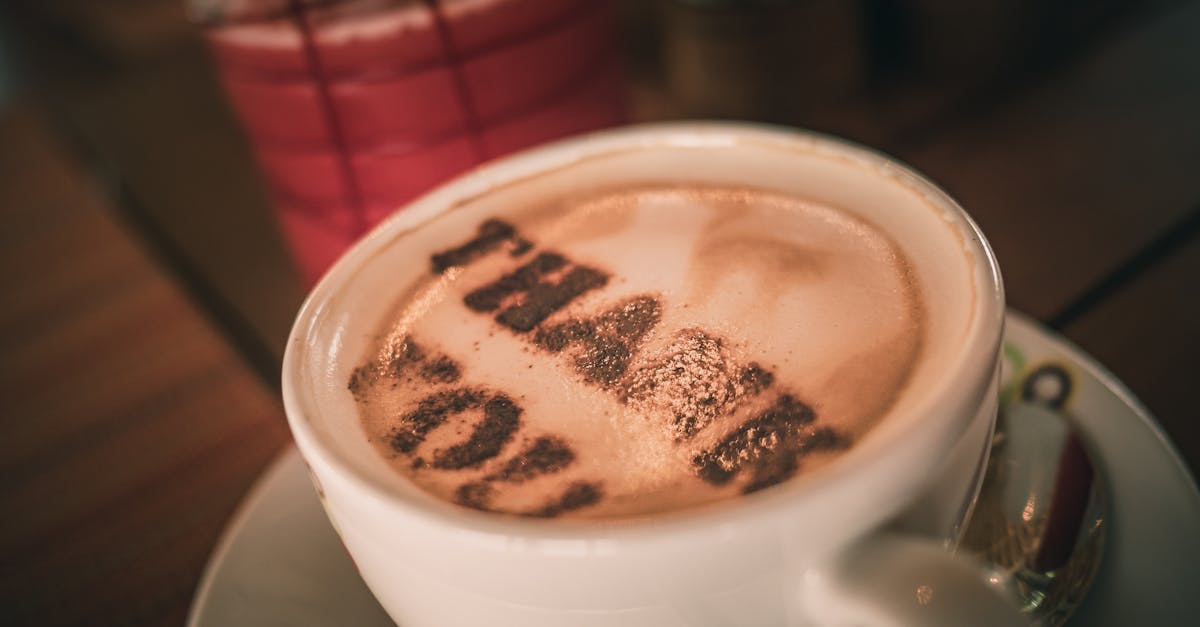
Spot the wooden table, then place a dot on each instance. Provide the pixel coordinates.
(146, 297)
(130, 426)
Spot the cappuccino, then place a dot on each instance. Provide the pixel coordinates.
(630, 350)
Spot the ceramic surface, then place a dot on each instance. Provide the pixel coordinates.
(280, 562)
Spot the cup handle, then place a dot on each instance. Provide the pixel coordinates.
(897, 580)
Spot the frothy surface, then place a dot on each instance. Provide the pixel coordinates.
(636, 351)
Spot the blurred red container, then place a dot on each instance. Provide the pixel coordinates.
(355, 107)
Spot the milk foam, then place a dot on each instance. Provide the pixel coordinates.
(739, 337)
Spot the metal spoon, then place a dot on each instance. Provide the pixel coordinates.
(1040, 520)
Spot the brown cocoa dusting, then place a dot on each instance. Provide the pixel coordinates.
(402, 356)
(771, 443)
(523, 279)
(398, 365)
(578, 495)
(441, 369)
(755, 378)
(432, 411)
(544, 299)
(520, 247)
(475, 495)
(633, 318)
(695, 382)
(362, 378)
(609, 340)
(491, 234)
(366, 376)
(604, 361)
(557, 337)
(501, 418)
(546, 455)
(775, 469)
(771, 429)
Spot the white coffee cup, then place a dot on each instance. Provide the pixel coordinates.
(861, 540)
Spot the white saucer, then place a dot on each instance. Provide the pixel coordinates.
(280, 562)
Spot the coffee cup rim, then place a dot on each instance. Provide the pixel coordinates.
(893, 469)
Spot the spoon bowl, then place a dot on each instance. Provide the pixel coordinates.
(1040, 521)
